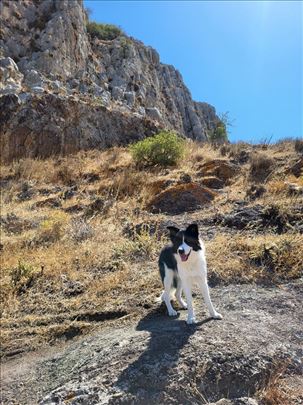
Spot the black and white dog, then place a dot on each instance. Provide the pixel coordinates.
(182, 265)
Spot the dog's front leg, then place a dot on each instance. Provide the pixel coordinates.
(191, 315)
(205, 292)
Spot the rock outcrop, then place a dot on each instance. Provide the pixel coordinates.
(48, 58)
(160, 360)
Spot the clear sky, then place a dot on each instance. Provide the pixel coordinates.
(244, 57)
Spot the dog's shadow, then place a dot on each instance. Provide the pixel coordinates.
(149, 374)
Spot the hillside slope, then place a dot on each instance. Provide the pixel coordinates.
(80, 238)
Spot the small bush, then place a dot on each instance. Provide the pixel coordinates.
(22, 276)
(163, 149)
(103, 31)
(51, 230)
(219, 135)
(261, 166)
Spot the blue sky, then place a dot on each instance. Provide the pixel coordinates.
(244, 57)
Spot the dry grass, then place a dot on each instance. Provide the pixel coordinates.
(265, 258)
(281, 389)
(261, 167)
(74, 263)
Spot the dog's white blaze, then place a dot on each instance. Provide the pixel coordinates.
(185, 247)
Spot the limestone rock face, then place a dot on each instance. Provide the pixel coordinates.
(46, 125)
(45, 50)
(10, 77)
(48, 36)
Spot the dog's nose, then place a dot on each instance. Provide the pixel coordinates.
(181, 251)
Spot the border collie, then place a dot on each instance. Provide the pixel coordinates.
(182, 265)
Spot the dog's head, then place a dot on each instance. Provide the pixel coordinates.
(185, 242)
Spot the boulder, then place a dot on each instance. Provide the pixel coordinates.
(153, 113)
(33, 78)
(10, 77)
(181, 198)
(212, 182)
(220, 168)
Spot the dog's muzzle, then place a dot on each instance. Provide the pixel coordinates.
(183, 255)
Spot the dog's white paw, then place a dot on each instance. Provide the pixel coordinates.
(183, 304)
(172, 313)
(191, 320)
(216, 315)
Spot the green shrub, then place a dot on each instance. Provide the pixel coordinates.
(103, 31)
(219, 135)
(163, 149)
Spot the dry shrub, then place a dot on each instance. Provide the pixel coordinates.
(22, 276)
(69, 169)
(261, 167)
(143, 245)
(277, 187)
(52, 229)
(202, 152)
(124, 184)
(276, 391)
(34, 169)
(299, 145)
(80, 230)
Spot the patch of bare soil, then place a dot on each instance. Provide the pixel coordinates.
(161, 360)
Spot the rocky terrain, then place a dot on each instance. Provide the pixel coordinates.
(159, 360)
(82, 223)
(64, 90)
(81, 320)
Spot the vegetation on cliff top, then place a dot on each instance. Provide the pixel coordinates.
(103, 31)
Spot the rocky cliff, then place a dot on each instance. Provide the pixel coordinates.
(63, 90)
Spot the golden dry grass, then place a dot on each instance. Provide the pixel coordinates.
(281, 389)
(102, 270)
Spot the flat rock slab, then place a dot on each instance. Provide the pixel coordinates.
(162, 360)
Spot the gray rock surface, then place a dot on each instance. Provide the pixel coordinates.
(161, 360)
(49, 124)
(47, 42)
(10, 77)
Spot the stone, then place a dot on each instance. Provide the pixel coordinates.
(181, 198)
(10, 77)
(117, 93)
(24, 97)
(37, 89)
(153, 113)
(56, 85)
(219, 168)
(212, 182)
(130, 97)
(33, 78)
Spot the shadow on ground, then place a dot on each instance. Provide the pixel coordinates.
(150, 373)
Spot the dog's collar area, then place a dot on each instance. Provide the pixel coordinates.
(184, 256)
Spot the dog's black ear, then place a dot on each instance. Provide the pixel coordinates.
(173, 231)
(193, 230)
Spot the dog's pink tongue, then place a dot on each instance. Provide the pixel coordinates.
(183, 257)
